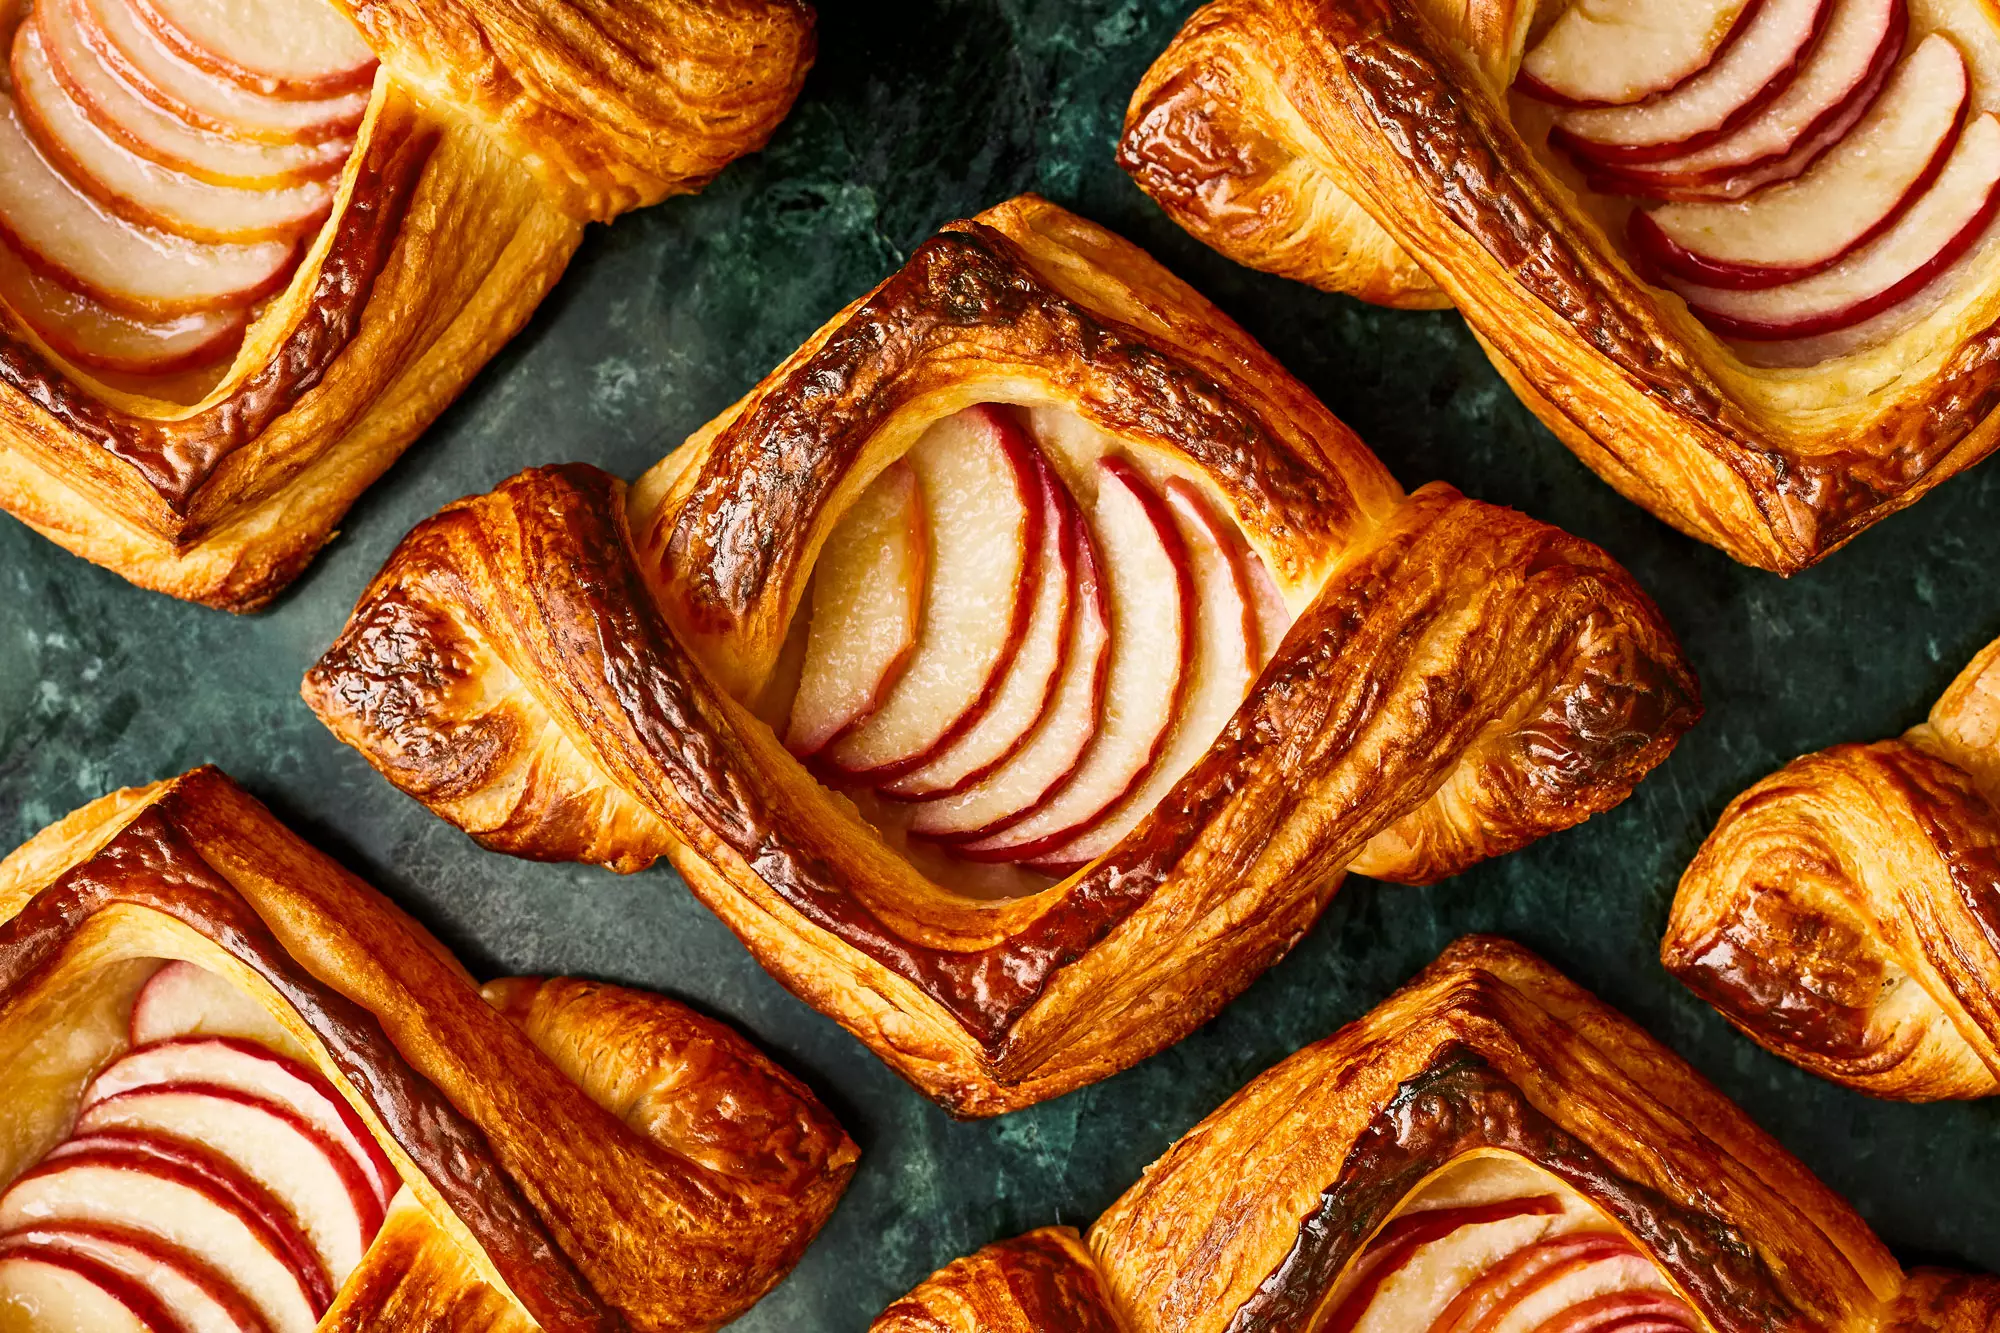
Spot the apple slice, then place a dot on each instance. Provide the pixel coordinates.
(55, 1292)
(867, 601)
(1614, 52)
(1154, 604)
(301, 1167)
(247, 1067)
(1926, 240)
(158, 135)
(63, 231)
(1624, 1312)
(182, 1000)
(1061, 737)
(1755, 69)
(281, 48)
(92, 334)
(984, 517)
(1843, 75)
(198, 1298)
(142, 191)
(1029, 686)
(131, 48)
(1399, 1245)
(1487, 1297)
(1555, 1292)
(185, 1210)
(1853, 195)
(1224, 665)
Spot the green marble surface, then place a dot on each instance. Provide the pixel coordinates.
(921, 111)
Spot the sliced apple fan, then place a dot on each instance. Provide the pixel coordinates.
(1025, 673)
(163, 164)
(212, 1181)
(1815, 176)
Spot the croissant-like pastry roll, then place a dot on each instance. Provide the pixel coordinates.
(1491, 1149)
(243, 1090)
(248, 252)
(1737, 255)
(1845, 911)
(1015, 669)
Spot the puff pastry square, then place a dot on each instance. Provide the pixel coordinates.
(1385, 148)
(1845, 911)
(564, 1154)
(1492, 1147)
(494, 133)
(569, 670)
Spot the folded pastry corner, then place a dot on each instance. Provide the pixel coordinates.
(1738, 256)
(1845, 911)
(1490, 1148)
(248, 252)
(243, 1090)
(1016, 669)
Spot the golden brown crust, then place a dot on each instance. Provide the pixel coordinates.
(1247, 1223)
(1461, 681)
(613, 1161)
(496, 132)
(1386, 157)
(1045, 1280)
(1845, 911)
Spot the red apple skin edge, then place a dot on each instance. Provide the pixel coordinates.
(1541, 92)
(1826, 130)
(1658, 254)
(1399, 1242)
(378, 1166)
(1170, 538)
(1887, 299)
(146, 1309)
(215, 63)
(211, 1283)
(1615, 155)
(1031, 472)
(219, 1182)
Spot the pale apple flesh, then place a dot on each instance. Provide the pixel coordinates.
(281, 48)
(91, 333)
(983, 514)
(158, 134)
(867, 601)
(209, 1168)
(1223, 666)
(58, 1292)
(1840, 81)
(1854, 194)
(1750, 73)
(138, 189)
(1614, 52)
(1924, 241)
(1031, 676)
(1496, 1245)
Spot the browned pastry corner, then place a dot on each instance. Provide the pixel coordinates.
(1396, 150)
(1845, 911)
(568, 670)
(493, 133)
(556, 1154)
(1492, 1148)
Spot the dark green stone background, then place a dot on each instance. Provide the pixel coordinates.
(921, 111)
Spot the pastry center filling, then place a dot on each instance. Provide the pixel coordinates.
(1016, 641)
(1810, 176)
(1494, 1244)
(212, 1180)
(164, 165)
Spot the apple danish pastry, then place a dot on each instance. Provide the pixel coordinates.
(1737, 254)
(1015, 670)
(1490, 1149)
(244, 1092)
(249, 249)
(1845, 911)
